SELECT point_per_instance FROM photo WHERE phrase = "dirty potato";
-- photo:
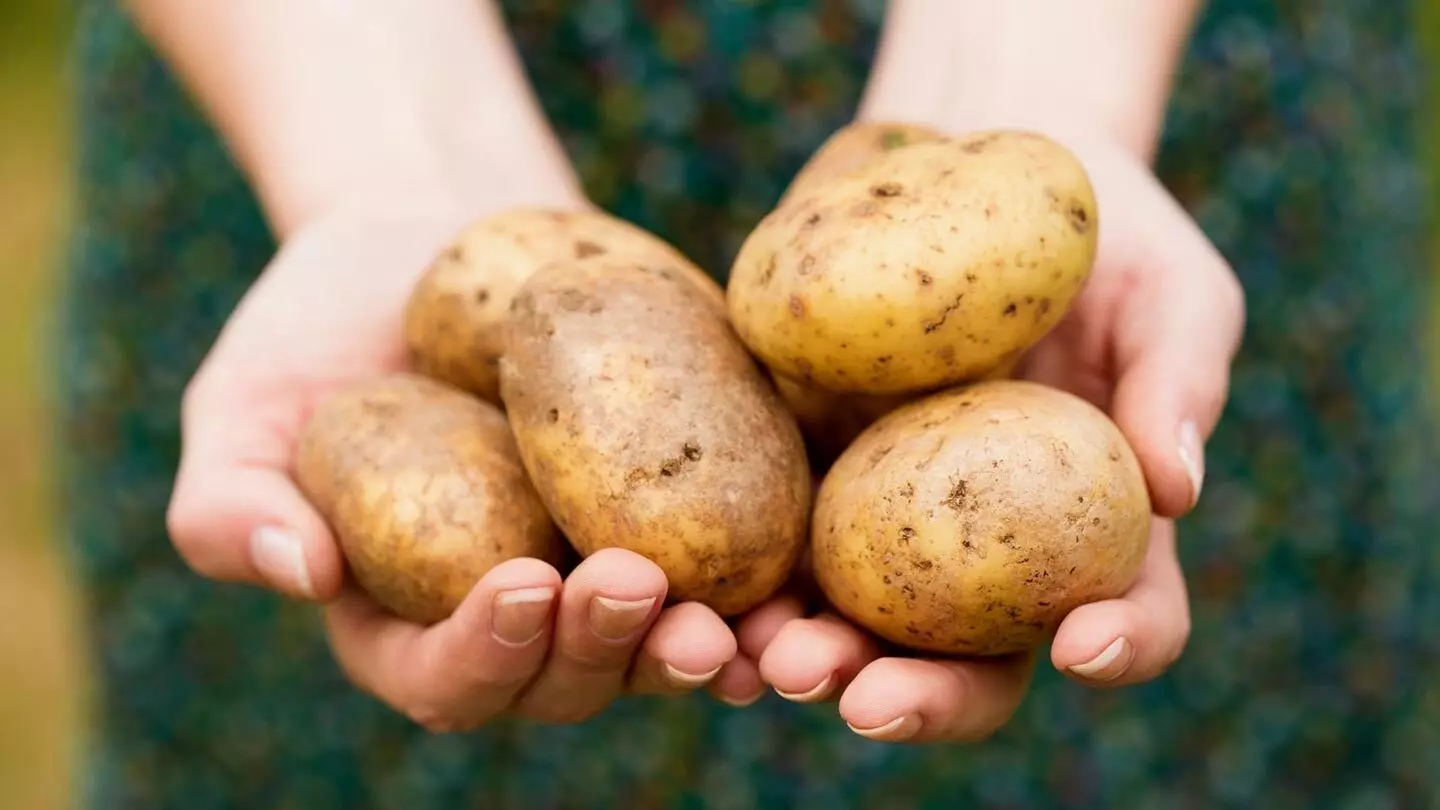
(972, 521)
(855, 145)
(829, 420)
(453, 316)
(424, 490)
(929, 266)
(647, 426)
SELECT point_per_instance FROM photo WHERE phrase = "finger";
(235, 515)
(464, 670)
(607, 606)
(759, 627)
(900, 699)
(811, 660)
(1174, 347)
(739, 683)
(1133, 639)
(683, 651)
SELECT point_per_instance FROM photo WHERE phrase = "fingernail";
(811, 696)
(518, 617)
(1192, 456)
(280, 559)
(741, 703)
(1110, 664)
(615, 620)
(679, 678)
(901, 728)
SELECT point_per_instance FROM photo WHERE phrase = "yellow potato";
(453, 317)
(970, 522)
(855, 145)
(929, 266)
(647, 426)
(424, 490)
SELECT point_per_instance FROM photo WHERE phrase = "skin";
(411, 474)
(1149, 341)
(373, 133)
(335, 111)
(454, 316)
(647, 426)
(972, 521)
(929, 266)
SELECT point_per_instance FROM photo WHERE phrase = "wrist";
(1078, 72)
(421, 180)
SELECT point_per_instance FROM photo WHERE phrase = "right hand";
(525, 642)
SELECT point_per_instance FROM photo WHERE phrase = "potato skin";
(647, 426)
(927, 267)
(424, 489)
(972, 521)
(453, 316)
(853, 146)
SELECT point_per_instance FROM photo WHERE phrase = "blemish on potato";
(585, 248)
(797, 306)
(924, 278)
(553, 415)
(890, 189)
(768, 273)
(1010, 310)
(956, 497)
(863, 209)
(1079, 217)
(978, 145)
(934, 324)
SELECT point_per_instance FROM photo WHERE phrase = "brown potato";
(927, 267)
(647, 426)
(972, 521)
(453, 317)
(424, 489)
(853, 146)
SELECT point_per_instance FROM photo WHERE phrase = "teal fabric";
(1310, 680)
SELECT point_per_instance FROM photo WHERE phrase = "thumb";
(1173, 355)
(235, 514)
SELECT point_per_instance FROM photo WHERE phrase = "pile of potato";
(579, 384)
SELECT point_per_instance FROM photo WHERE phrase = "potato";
(647, 426)
(970, 522)
(453, 316)
(927, 267)
(830, 421)
(855, 145)
(424, 489)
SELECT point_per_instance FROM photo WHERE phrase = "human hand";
(526, 641)
(1150, 340)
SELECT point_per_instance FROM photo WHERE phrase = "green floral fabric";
(1309, 682)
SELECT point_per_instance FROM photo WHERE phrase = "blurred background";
(42, 669)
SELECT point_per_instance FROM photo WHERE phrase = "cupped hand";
(525, 642)
(1150, 340)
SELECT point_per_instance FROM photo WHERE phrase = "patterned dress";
(1310, 680)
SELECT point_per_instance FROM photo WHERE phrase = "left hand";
(1150, 340)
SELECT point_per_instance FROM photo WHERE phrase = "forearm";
(334, 102)
(1100, 68)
